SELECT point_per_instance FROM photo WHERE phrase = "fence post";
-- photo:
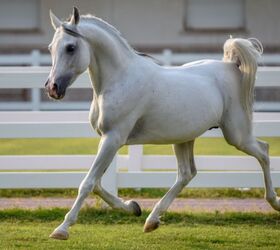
(167, 56)
(35, 92)
(135, 154)
(109, 179)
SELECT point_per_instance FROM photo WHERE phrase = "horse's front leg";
(108, 147)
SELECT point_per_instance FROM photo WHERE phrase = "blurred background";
(175, 32)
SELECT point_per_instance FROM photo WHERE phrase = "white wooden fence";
(133, 170)
(167, 57)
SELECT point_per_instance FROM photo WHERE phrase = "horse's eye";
(70, 48)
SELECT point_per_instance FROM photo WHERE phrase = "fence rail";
(132, 170)
(167, 57)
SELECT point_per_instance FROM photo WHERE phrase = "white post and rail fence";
(134, 170)
(167, 57)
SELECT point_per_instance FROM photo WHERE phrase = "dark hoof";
(136, 209)
(133, 207)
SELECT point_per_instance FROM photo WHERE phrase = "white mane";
(107, 27)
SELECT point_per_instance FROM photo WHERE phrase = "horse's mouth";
(56, 96)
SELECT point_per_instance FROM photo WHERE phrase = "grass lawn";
(97, 229)
(203, 146)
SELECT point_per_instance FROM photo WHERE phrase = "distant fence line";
(167, 57)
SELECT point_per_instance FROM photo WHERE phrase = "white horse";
(136, 101)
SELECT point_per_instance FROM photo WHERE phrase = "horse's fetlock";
(70, 218)
(270, 197)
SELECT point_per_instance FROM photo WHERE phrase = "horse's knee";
(85, 188)
(183, 181)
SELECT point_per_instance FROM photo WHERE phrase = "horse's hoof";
(59, 235)
(151, 225)
(136, 209)
(274, 203)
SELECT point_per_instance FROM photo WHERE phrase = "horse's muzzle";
(55, 90)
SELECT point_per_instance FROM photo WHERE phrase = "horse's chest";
(103, 116)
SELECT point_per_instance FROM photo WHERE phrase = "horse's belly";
(150, 137)
(168, 126)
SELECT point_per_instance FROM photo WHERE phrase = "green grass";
(195, 193)
(105, 229)
(203, 146)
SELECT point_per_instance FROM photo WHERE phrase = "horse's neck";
(109, 58)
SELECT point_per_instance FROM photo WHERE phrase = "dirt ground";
(191, 205)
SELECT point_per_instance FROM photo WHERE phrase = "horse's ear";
(75, 16)
(55, 21)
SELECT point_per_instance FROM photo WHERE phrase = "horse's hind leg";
(259, 150)
(241, 137)
(186, 171)
(116, 202)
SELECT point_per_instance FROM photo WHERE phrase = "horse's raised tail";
(245, 52)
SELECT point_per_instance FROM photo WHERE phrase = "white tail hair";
(245, 52)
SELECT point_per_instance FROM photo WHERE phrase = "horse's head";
(70, 55)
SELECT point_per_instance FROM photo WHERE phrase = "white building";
(149, 25)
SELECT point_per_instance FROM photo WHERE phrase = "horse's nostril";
(54, 87)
